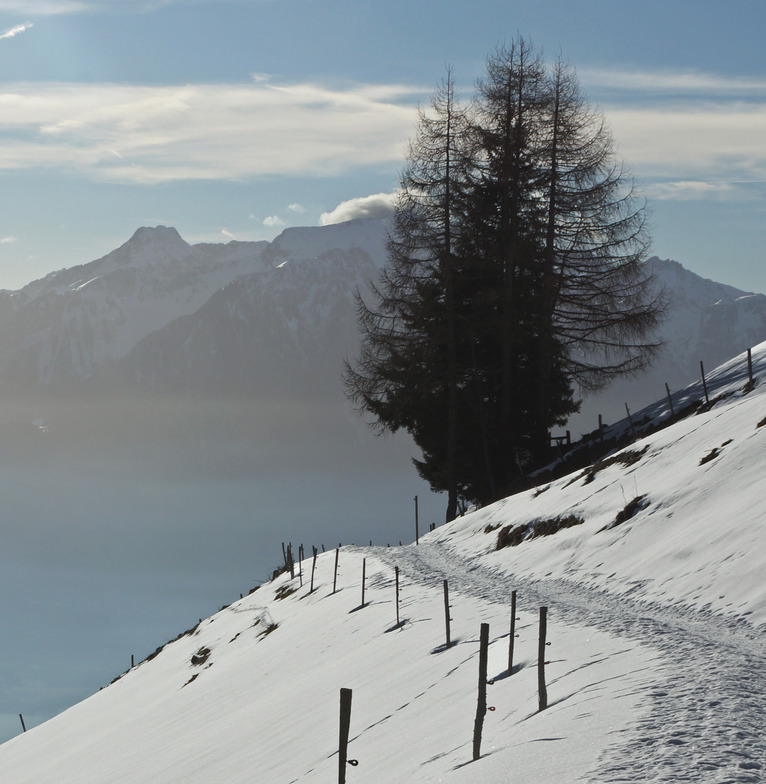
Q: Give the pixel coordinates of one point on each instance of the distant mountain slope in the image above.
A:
(281, 331)
(62, 327)
(705, 321)
(277, 319)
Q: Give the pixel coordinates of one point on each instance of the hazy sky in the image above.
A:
(232, 119)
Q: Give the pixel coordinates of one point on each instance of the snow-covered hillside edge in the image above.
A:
(657, 664)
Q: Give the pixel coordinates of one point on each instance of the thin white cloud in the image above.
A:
(45, 7)
(273, 221)
(7, 240)
(154, 134)
(692, 190)
(147, 134)
(665, 81)
(299, 208)
(704, 141)
(227, 233)
(12, 32)
(379, 205)
(62, 7)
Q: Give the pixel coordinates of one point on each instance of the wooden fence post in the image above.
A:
(23, 726)
(300, 564)
(481, 705)
(417, 536)
(630, 419)
(290, 559)
(670, 399)
(364, 569)
(750, 366)
(313, 567)
(396, 572)
(335, 573)
(513, 633)
(704, 383)
(541, 688)
(446, 612)
(345, 726)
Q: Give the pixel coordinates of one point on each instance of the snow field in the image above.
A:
(264, 707)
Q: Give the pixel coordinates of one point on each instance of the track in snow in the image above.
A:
(706, 710)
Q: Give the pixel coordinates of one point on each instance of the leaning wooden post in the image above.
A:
(300, 564)
(313, 567)
(513, 633)
(290, 558)
(417, 536)
(446, 613)
(630, 419)
(345, 726)
(750, 366)
(670, 399)
(23, 726)
(541, 688)
(335, 573)
(364, 568)
(396, 572)
(704, 383)
(481, 705)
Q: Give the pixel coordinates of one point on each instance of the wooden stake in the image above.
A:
(335, 573)
(23, 726)
(630, 419)
(481, 705)
(704, 383)
(364, 569)
(513, 633)
(396, 572)
(417, 537)
(670, 399)
(345, 726)
(313, 567)
(541, 687)
(446, 613)
(750, 366)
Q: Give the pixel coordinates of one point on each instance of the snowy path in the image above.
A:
(705, 716)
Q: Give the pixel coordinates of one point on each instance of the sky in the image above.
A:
(232, 119)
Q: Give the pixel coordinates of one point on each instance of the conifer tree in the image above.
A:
(514, 273)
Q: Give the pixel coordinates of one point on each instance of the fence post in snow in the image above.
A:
(417, 536)
(396, 572)
(313, 567)
(23, 726)
(481, 705)
(670, 399)
(335, 573)
(750, 367)
(541, 687)
(513, 633)
(446, 613)
(704, 383)
(345, 726)
(364, 569)
(630, 419)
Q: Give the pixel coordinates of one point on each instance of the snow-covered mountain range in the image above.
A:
(277, 319)
(650, 565)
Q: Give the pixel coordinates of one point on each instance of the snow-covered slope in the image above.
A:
(656, 670)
